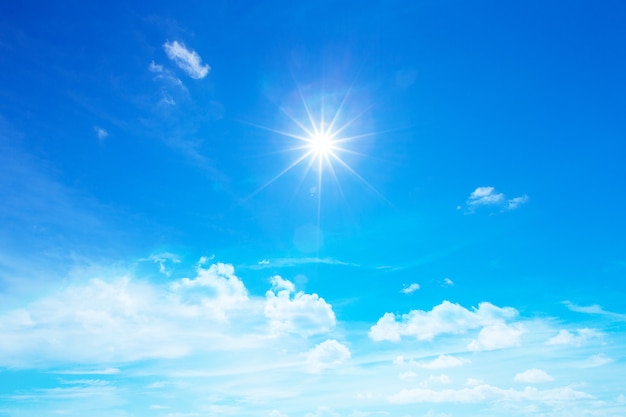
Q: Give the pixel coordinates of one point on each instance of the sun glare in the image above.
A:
(322, 142)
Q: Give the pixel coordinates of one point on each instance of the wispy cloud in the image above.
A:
(440, 362)
(488, 197)
(290, 262)
(100, 133)
(186, 59)
(594, 309)
(482, 393)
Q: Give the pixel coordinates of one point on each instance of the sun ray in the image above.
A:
(322, 144)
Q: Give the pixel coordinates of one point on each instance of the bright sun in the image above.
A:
(321, 141)
(321, 144)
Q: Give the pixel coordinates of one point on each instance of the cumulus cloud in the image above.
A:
(445, 318)
(533, 376)
(410, 288)
(117, 320)
(576, 338)
(187, 60)
(291, 312)
(487, 196)
(497, 336)
(327, 354)
(484, 392)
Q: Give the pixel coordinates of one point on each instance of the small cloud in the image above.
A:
(106, 371)
(514, 203)
(448, 282)
(487, 196)
(187, 60)
(167, 100)
(439, 379)
(533, 376)
(155, 67)
(408, 375)
(264, 262)
(162, 259)
(594, 309)
(327, 354)
(497, 336)
(598, 360)
(440, 362)
(410, 289)
(100, 133)
(576, 338)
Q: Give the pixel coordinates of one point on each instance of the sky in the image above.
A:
(312, 209)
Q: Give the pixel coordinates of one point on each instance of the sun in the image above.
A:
(321, 144)
(321, 137)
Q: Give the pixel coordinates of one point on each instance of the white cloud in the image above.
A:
(301, 313)
(445, 318)
(407, 375)
(445, 361)
(153, 67)
(117, 320)
(327, 354)
(411, 288)
(282, 284)
(579, 337)
(187, 60)
(100, 133)
(484, 393)
(436, 379)
(487, 196)
(497, 336)
(514, 203)
(533, 376)
(594, 309)
(448, 282)
(161, 259)
(598, 360)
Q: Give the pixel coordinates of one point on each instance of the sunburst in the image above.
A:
(322, 143)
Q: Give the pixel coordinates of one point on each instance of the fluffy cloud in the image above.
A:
(187, 60)
(123, 319)
(497, 336)
(444, 318)
(533, 376)
(487, 196)
(482, 393)
(411, 288)
(327, 354)
(291, 312)
(577, 338)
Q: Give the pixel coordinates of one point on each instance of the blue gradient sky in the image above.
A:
(460, 252)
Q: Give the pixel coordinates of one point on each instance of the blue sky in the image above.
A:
(322, 209)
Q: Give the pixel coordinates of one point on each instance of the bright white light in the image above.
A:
(322, 144)
(321, 140)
